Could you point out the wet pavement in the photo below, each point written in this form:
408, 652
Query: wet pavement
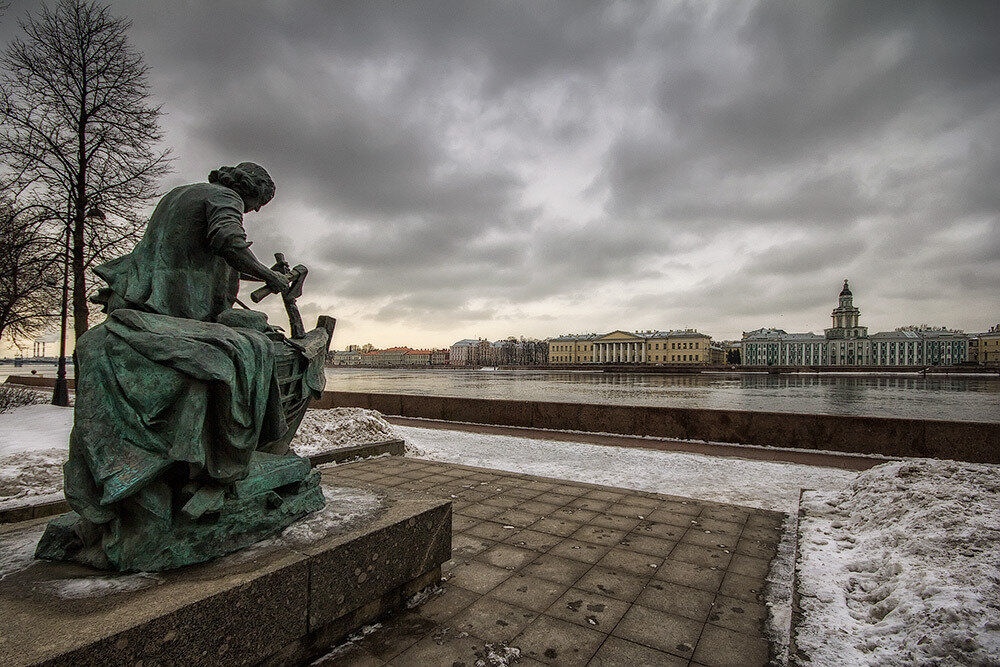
575, 574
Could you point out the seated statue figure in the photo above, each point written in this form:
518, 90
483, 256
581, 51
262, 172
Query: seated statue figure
179, 450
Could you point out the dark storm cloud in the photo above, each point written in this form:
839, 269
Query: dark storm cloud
729, 162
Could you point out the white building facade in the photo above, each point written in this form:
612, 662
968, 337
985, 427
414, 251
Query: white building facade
847, 343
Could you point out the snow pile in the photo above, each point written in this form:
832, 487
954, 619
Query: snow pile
34, 440
17, 549
902, 567
12, 396
768, 485
30, 478
34, 428
323, 430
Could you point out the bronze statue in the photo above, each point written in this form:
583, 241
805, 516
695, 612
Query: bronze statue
185, 406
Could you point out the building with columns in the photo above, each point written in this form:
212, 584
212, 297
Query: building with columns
686, 346
847, 343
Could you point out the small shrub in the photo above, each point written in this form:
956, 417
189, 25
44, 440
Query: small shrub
14, 397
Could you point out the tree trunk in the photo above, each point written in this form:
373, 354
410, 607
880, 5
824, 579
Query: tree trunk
81, 312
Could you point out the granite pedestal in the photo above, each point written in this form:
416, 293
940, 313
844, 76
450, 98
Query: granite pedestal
273, 605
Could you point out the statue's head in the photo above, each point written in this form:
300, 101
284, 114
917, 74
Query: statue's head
250, 180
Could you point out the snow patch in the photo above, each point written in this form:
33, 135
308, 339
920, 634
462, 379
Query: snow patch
323, 430
35, 427
768, 485
902, 567
91, 587
17, 549
31, 477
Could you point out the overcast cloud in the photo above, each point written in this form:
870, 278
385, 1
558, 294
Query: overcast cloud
462, 169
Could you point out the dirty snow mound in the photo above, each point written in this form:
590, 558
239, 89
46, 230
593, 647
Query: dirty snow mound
901, 567
323, 430
31, 477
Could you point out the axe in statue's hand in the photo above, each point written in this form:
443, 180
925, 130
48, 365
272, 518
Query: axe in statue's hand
295, 276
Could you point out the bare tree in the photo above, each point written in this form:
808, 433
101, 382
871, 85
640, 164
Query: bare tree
78, 131
29, 274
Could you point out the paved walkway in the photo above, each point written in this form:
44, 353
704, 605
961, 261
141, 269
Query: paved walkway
576, 574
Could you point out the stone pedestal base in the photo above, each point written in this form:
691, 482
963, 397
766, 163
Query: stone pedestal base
273, 605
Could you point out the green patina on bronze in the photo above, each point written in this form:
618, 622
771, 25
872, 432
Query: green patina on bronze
185, 406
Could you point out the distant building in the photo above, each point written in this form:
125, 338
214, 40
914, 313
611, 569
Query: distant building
466, 352
686, 346
346, 357
984, 348
847, 343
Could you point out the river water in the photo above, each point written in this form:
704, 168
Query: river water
951, 397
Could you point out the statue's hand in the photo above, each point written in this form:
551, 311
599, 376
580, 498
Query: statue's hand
277, 281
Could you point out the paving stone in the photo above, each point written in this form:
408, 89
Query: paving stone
693, 553
689, 574
492, 619
577, 550
671, 517
657, 629
507, 556
749, 566
491, 530
745, 617
445, 647
721, 525
646, 544
553, 641
530, 592
709, 538
558, 527
612, 496
517, 518
613, 583
469, 545
533, 539
688, 507
757, 548
614, 521
460, 522
505, 502
524, 493
573, 490
636, 500
538, 485
673, 598
742, 587
441, 606
537, 507
589, 609
574, 514
772, 535
554, 498
617, 652
476, 576
598, 535
555, 568
630, 562
773, 520
721, 647
397, 634
664, 531
480, 511
585, 503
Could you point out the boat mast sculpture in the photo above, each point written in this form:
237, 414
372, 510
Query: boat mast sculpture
185, 405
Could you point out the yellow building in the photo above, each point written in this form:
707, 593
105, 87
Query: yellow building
677, 347
987, 351
572, 349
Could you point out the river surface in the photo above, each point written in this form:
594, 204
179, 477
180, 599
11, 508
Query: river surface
950, 397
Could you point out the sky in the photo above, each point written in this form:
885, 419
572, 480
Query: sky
453, 170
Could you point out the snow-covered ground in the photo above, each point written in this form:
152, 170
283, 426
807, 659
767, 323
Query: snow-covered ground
33, 443
902, 567
764, 484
